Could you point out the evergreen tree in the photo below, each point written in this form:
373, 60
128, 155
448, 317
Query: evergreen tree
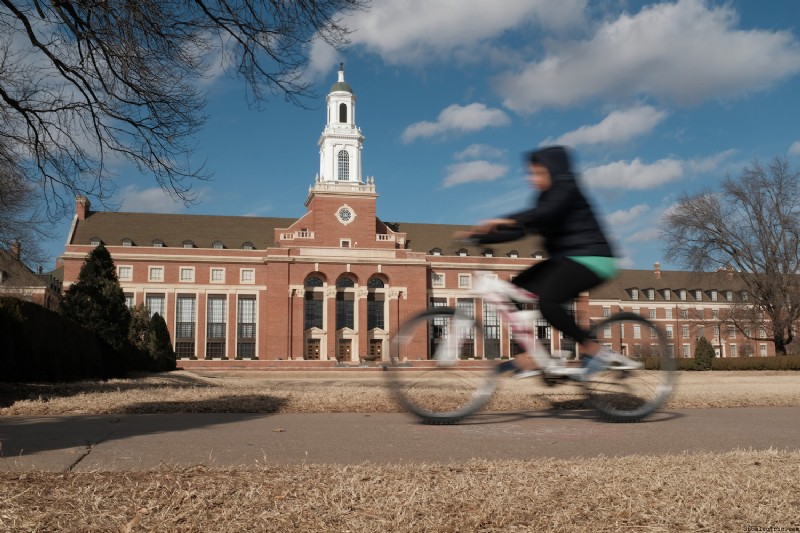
139, 332
96, 300
160, 345
703, 354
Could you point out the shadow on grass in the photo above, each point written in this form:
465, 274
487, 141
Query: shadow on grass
21, 436
11, 393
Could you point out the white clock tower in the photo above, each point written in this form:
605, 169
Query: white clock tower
341, 141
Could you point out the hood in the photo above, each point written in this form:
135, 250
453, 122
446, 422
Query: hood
555, 158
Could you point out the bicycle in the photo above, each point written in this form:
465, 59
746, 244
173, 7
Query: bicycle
450, 386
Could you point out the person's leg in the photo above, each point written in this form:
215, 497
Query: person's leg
557, 282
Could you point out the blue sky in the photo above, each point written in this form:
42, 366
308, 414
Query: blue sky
656, 99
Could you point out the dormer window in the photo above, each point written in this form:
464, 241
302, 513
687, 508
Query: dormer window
462, 252
729, 296
487, 252
667, 294
634, 294
651, 294
188, 244
95, 241
436, 251
217, 245
713, 296
682, 295
513, 254
158, 243
248, 246
698, 295
127, 242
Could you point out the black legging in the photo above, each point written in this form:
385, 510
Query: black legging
556, 282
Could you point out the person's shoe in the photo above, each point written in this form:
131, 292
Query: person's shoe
517, 372
605, 359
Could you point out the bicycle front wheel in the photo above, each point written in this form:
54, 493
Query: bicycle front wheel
631, 395
448, 385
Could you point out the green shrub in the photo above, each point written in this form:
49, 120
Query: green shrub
40, 345
162, 356
703, 354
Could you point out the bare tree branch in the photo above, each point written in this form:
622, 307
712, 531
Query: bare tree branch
752, 225
85, 83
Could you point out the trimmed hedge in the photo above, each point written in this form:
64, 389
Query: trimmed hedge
37, 344
783, 362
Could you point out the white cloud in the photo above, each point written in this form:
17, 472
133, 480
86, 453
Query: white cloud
480, 151
472, 171
617, 127
794, 149
457, 118
635, 175
647, 235
710, 163
681, 52
153, 200
625, 217
420, 31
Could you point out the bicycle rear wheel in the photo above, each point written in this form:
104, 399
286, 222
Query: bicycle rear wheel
631, 395
444, 388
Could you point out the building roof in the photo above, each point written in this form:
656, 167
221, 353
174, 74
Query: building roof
14, 274
233, 231
619, 288
341, 86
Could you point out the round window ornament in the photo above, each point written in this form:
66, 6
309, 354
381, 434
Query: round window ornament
345, 214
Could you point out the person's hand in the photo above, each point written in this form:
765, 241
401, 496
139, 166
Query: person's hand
493, 224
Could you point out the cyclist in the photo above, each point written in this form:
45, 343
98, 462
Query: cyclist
580, 256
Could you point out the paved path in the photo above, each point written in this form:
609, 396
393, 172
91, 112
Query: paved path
139, 442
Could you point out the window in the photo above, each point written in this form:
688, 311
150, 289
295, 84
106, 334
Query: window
701, 331
744, 296
513, 254
375, 283
762, 350
652, 314
606, 312
491, 331
217, 245
714, 296
129, 301
155, 273
687, 350
684, 314
375, 310
607, 332
312, 308
637, 331
731, 331
248, 246
715, 313
246, 327
185, 326
187, 274
344, 243
216, 327
762, 332
217, 275
343, 113
682, 295
732, 350
344, 165
651, 294
488, 253
125, 272
437, 280
668, 313
436, 251
158, 243
698, 295
466, 306
667, 294
127, 242
464, 281
188, 244
95, 241
462, 253
669, 331
684, 331
729, 296
345, 310
247, 275
634, 294
155, 304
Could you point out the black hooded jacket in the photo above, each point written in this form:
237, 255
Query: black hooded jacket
561, 214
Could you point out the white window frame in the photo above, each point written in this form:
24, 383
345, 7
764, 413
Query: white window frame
698, 295
153, 268
119, 272
211, 274
651, 294
652, 314
464, 281
634, 294
669, 332
252, 272
667, 294
732, 351
713, 295
687, 350
437, 280
606, 311
668, 313
345, 243
183, 269
762, 350
682, 295
729, 296
607, 332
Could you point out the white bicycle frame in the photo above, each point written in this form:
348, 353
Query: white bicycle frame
504, 296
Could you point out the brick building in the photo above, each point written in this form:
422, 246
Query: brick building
331, 285
19, 281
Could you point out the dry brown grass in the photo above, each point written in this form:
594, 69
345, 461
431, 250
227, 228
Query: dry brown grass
697, 492
363, 392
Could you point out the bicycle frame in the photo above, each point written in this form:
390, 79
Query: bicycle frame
504, 296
